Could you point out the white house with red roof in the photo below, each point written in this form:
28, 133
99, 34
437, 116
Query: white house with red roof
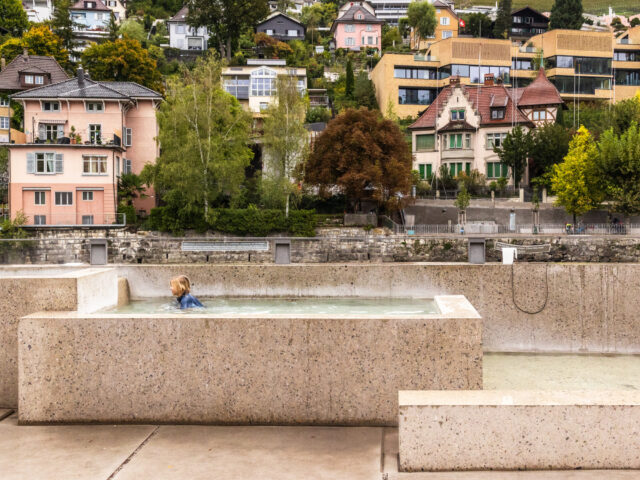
464, 123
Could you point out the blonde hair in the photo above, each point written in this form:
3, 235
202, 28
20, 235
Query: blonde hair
181, 284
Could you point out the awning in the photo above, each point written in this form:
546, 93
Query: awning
89, 189
36, 189
52, 122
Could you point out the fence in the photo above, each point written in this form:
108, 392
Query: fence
73, 220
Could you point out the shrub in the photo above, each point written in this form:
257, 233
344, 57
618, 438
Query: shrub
130, 213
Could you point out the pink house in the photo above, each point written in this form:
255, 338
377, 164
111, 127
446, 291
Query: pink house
81, 135
357, 27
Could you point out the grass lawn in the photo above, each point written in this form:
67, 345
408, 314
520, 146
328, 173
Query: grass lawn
596, 7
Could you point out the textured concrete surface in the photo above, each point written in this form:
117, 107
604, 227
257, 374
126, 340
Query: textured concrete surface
519, 430
33, 289
65, 452
520, 371
246, 370
123, 292
582, 307
268, 453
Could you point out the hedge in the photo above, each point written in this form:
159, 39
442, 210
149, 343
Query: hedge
242, 222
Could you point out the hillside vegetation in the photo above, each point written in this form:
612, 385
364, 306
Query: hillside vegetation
596, 7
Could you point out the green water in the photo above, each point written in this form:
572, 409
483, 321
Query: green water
505, 371
287, 306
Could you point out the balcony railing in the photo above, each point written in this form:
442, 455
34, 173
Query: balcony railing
75, 220
100, 140
425, 58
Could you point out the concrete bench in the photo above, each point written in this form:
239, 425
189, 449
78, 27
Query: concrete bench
519, 430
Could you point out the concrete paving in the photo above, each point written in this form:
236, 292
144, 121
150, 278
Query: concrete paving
65, 452
283, 453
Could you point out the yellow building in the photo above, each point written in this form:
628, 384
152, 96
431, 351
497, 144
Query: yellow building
447, 26
5, 118
582, 65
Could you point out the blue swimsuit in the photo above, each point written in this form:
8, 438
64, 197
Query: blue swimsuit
188, 301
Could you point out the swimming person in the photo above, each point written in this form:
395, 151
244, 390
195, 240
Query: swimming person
180, 287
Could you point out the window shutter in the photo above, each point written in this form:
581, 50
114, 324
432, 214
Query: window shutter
31, 163
60, 131
42, 132
59, 163
421, 168
489, 170
467, 168
429, 175
505, 170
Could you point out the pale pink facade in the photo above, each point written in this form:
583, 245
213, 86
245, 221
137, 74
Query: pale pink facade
71, 184
355, 36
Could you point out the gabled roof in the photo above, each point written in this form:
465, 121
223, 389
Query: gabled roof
10, 78
482, 99
181, 16
280, 14
349, 16
539, 92
100, 6
529, 9
90, 89
441, 4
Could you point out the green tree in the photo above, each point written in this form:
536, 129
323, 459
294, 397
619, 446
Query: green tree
350, 80
13, 18
462, 199
617, 25
133, 29
364, 92
204, 133
549, 145
502, 27
123, 60
635, 22
619, 167
39, 40
478, 25
575, 181
286, 145
391, 39
226, 19
317, 114
62, 23
566, 14
113, 28
514, 152
364, 156
421, 17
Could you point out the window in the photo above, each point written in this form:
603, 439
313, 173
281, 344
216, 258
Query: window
349, 41
180, 28
50, 131
539, 115
477, 74
456, 168
263, 82
126, 166
467, 141
460, 70
495, 140
264, 106
39, 79
39, 219
528, 20
425, 142
522, 65
370, 40
369, 27
4, 123
87, 219
497, 170
447, 34
195, 43
95, 133
44, 163
39, 198
28, 79
128, 137
64, 198
415, 96
497, 113
94, 106
292, 33
50, 106
87, 196
349, 28
94, 165
583, 85
455, 141
415, 72
359, 16
425, 170
457, 114
444, 20
269, 31
118, 166
4, 102
624, 56
628, 77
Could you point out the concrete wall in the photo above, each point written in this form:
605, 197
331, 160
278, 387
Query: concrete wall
247, 370
519, 430
583, 307
29, 290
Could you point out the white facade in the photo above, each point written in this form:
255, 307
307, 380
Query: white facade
118, 8
184, 37
38, 10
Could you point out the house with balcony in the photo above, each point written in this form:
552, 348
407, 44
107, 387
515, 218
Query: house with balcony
527, 22
357, 27
626, 63
81, 135
22, 73
184, 37
38, 11
281, 27
465, 122
91, 18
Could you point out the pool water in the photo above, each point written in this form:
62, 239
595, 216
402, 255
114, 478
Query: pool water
516, 371
287, 306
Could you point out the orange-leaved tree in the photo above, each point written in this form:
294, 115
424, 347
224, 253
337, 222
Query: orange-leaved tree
365, 157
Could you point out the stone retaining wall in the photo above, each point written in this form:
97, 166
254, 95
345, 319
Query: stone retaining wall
332, 245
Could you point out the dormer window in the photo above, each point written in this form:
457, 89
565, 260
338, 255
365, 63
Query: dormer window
457, 114
50, 106
30, 79
89, 4
497, 113
359, 16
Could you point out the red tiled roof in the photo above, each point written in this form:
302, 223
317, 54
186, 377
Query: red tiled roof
482, 99
539, 92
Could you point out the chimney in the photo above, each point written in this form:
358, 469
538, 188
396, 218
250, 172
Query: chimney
3, 63
25, 53
80, 75
454, 81
488, 79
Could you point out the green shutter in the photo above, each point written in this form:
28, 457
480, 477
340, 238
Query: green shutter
459, 168
429, 171
425, 142
421, 169
459, 140
505, 170
452, 169
452, 141
489, 170
467, 168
